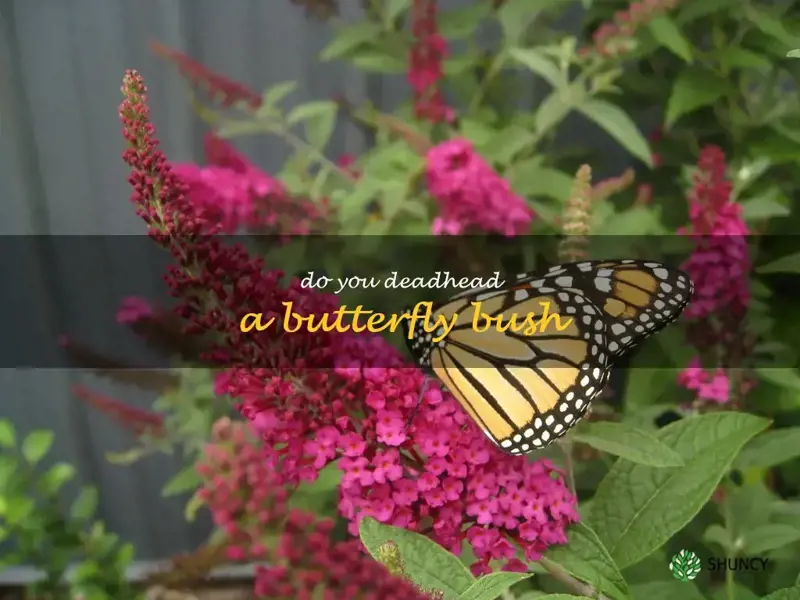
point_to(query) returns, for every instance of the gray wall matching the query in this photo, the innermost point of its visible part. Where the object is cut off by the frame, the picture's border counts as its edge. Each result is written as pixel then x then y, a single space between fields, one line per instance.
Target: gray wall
pixel 61 62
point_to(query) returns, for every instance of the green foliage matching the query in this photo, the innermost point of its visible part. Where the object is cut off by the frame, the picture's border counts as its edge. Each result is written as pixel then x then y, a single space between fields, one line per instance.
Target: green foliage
pixel 51 538
pixel 638 508
pixel 432 567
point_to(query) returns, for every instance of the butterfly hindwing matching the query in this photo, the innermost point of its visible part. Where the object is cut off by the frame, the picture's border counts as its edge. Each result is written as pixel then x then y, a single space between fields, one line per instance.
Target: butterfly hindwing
pixel 637 298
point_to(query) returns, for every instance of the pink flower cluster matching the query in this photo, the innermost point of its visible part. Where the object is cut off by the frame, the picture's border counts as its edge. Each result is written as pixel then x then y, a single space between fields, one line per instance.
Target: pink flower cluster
pixel 720 262
pixel 708 386
pixel 719 266
pixel 324 397
pixel 133 309
pixel 248 499
pixel 425 63
pixel 470 194
pixel 235 194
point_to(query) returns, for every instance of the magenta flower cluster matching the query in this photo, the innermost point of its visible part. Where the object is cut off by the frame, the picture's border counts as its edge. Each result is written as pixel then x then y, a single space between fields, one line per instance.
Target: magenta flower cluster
pixel 471 195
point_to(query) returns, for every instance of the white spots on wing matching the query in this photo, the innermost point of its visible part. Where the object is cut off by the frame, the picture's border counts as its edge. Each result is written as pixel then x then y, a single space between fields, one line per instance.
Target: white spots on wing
pixel 613 346
pixel 585 381
pixel 618 329
pixel 661 273
pixel 565 281
pixel 596 373
pixel 520 295
pixel 505 443
pixel 666 287
pixel 558 428
pixel 603 284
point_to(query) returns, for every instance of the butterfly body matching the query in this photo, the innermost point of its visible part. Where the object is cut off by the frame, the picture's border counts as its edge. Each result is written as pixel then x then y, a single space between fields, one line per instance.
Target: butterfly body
pixel 525 387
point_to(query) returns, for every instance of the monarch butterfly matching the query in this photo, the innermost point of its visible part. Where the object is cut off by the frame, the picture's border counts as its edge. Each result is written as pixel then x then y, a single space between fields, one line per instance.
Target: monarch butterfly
pixel 526 387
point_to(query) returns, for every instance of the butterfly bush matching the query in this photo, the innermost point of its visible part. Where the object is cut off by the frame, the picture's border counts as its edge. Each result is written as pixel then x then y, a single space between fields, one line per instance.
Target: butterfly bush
pixel 719 266
pixel 345 398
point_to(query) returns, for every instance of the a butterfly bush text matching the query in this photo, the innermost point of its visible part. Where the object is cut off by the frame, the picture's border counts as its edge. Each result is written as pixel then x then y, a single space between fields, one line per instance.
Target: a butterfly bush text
pixel 438 326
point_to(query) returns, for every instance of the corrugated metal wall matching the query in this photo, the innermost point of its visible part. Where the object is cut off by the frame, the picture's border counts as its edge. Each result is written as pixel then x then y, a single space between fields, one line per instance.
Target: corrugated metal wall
pixel 61 62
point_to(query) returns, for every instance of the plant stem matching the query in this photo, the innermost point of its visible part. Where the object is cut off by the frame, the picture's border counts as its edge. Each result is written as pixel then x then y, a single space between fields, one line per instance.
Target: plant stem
pixel 568 580
pixel 569 466
pixel 730 592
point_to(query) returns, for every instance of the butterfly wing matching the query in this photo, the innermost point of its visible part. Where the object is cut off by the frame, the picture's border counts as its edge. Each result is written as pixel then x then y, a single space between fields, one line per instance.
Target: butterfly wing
pixel 637 298
pixel 527 385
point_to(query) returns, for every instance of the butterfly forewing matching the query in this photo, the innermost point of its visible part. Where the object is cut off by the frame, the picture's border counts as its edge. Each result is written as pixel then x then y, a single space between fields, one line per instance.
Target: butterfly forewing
pixel 530 376
pixel 637 298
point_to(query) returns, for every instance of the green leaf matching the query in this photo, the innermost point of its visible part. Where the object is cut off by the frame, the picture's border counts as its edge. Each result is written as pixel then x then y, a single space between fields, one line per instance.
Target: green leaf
pixel 540 64
pixel 770 449
pixel 18 509
pixel 636 508
pixel 7 437
pixel 765 206
pixel 36 445
pixel 792 593
pixel 786 264
pixel 56 476
pixel 585 558
pixel 393 9
pixel 529 179
pixel 493 585
pixel 793 54
pixel 427 563
pixel 669 35
pixel 194 504
pixel 85 504
pixel 742 58
pixel 769 25
pixel 319 119
pixel 630 443
pixel 515 17
pixel 769 537
pixel 552 111
pixel 619 126
pixel 557 597
pixel 349 38
pixel 717 534
pixel 785 377
pixel 187 480
pixel 693 89
pixel 278 92
pixel 463 22
pixel 738 591
pixel 373 61
pixel 667 590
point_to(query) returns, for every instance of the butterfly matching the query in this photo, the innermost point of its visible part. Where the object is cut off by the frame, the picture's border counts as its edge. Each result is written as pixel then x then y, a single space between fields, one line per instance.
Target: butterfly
pixel 525 383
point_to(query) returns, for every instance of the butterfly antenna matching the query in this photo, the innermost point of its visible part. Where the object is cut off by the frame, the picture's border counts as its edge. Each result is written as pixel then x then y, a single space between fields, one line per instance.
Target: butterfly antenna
pixel 419 401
